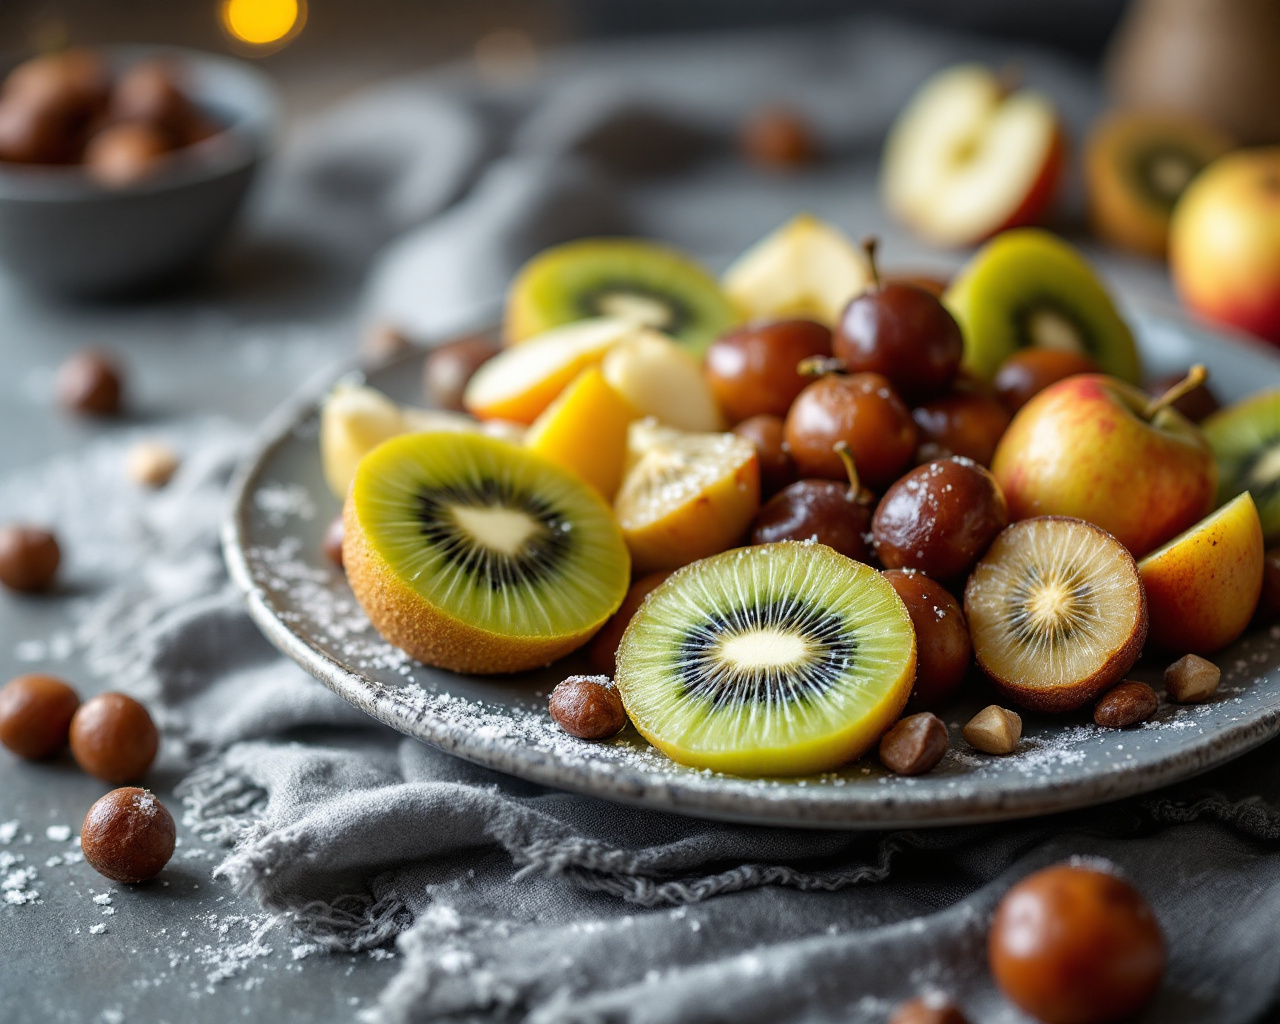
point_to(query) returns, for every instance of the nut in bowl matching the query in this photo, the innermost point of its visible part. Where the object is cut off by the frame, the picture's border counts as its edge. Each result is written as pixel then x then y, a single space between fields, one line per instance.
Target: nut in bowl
pixel 129 198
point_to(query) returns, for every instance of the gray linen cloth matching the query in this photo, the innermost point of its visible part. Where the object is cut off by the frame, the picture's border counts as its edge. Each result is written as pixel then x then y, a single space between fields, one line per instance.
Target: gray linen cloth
pixel 510 902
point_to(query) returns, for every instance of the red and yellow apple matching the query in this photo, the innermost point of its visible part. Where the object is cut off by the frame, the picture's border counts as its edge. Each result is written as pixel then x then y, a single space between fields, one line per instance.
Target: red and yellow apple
pixel 1203 586
pixel 969 157
pixel 1224 242
pixel 1092 447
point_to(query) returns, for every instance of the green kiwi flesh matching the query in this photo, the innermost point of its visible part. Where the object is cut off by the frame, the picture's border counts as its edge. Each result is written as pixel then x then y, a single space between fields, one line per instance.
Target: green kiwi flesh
pixel 1245 439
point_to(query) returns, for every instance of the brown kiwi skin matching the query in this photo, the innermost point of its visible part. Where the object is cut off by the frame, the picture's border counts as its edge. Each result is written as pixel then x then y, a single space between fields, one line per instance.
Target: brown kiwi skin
pixel 402 618
pixel 1060 699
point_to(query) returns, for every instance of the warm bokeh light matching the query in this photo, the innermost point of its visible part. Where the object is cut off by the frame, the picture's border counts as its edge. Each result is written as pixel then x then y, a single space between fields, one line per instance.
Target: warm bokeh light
pixel 263 23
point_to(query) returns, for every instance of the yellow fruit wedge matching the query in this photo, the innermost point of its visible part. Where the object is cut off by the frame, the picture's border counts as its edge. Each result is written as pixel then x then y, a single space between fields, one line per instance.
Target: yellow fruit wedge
pixel 520 382
pixel 805 268
pixel 661 379
pixel 685 496
pixel 585 430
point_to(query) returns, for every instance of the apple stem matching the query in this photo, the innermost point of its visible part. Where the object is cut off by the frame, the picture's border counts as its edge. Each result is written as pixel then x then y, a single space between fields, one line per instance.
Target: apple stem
pixel 1196 376
pixel 842 449
pixel 869 246
pixel 819 366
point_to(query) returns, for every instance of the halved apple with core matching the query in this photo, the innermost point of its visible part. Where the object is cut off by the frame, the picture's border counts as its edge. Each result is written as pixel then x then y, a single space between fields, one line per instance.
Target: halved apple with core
pixel 969 157
pixel 1203 586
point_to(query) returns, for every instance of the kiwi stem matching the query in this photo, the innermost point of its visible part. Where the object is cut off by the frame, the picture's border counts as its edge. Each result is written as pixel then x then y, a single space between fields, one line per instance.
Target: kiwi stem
pixel 819 366
pixel 1196 376
pixel 842 449
pixel 869 246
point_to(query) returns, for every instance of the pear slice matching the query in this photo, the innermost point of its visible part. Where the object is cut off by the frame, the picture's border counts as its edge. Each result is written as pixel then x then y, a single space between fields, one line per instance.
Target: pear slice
pixel 659 378
pixel 805 268
pixel 685 495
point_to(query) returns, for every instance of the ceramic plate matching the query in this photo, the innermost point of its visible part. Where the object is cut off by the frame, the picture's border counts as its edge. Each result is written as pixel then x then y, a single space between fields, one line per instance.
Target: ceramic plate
pixel 272 541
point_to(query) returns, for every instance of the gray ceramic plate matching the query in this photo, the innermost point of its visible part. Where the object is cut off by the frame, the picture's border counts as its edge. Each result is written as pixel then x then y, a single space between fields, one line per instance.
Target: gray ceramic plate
pixel 272 539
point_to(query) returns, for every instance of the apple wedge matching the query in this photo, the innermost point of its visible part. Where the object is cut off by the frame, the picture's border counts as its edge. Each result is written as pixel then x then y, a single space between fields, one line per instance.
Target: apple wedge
pixel 659 378
pixel 969 157
pixel 1203 586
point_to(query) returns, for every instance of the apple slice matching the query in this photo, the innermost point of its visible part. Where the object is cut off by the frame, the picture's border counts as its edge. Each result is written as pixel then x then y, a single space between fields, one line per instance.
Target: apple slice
pixel 968 157
pixel 661 379
pixel 521 381
pixel 804 268
pixel 685 496
pixel 1203 586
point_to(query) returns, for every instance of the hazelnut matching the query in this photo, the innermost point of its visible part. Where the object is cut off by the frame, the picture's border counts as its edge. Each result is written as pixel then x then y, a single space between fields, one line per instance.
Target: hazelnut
pixel 588 707
pixel 35 715
pixel 151 463
pixel 382 341
pixel 778 137
pixel 332 543
pixel 915 745
pixel 933 1008
pixel 29 558
pixel 448 369
pixel 125 154
pixel 1191 679
pixel 1125 704
pixel 994 730
pixel 128 835
pixel 113 738
pixel 89 382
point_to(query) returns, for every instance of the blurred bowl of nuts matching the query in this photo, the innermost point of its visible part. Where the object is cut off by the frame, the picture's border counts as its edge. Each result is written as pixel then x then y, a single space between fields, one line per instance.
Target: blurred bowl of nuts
pixel 122 167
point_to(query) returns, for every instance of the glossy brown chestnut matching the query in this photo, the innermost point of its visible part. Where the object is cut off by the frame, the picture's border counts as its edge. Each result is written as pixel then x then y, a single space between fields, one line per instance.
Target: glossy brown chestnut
pixel 939 518
pixel 90 382
pixel 35 715
pixel 29 558
pixel 148 93
pixel 1076 945
pixel 777 469
pixel 332 543
pixel 128 836
pixel 966 423
pixel 125 154
pixel 1028 372
pixel 943 648
pixel 865 412
pixel 778 138
pixel 588 707
pixel 753 370
pixel 113 738
pixel 448 368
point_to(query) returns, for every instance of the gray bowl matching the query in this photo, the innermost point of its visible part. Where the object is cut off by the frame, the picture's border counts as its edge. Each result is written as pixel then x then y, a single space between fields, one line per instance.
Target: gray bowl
pixel 64 233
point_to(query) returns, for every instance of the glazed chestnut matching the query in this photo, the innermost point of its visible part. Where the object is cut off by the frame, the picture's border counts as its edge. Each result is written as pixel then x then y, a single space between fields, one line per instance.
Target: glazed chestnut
pixel 113 738
pixel 73 84
pixel 865 412
pixel 753 370
pixel 943 648
pixel 1028 372
pixel 332 543
pixel 35 715
pixel 29 558
pixel 939 518
pixel 778 138
pixel 588 707
pixel 90 383
pixel 148 94
pixel 777 469
pixel 820 510
pixel 128 836
pixel 966 423
pixel 448 368
pixel 1076 945
pixel 930 1009
pixel 125 154
pixel 33 134
pixel 901 331
pixel 1196 404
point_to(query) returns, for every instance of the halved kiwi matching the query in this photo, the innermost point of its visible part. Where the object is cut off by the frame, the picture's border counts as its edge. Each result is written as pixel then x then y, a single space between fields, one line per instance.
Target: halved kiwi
pixel 1029 289
pixel 778 659
pixel 477 555
pixel 1056 611
pixel 1245 438
pixel 626 278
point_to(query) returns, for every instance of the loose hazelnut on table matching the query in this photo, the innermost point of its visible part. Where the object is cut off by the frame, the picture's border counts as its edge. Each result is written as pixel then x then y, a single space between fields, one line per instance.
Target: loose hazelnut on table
pixel 35 715
pixel 933 1008
pixel 588 707
pixel 128 836
pixel 332 543
pixel 382 341
pixel 151 463
pixel 448 368
pixel 29 558
pixel 113 738
pixel 1126 704
pixel 915 745
pixel 90 383
pixel 1191 680
pixel 778 137
pixel 994 730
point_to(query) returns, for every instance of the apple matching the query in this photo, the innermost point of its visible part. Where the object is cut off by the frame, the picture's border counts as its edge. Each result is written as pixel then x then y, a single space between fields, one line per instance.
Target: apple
pixel 1224 242
pixel 1203 586
pixel 1099 449
pixel 969 157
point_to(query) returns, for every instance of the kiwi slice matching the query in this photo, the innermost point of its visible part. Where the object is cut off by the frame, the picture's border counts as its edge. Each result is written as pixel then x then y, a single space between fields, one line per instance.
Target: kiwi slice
pixel 624 278
pixel 477 555
pixel 778 659
pixel 1028 289
pixel 1245 439
pixel 1056 612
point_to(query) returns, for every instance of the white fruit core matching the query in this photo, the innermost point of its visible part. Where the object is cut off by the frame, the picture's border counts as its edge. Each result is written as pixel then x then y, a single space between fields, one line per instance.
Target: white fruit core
pixel 763 648
pixel 1052 330
pixel 500 529
pixel 1053 602
pixel 639 309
